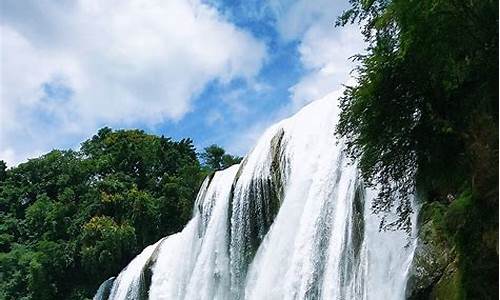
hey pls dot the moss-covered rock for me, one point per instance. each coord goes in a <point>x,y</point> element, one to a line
<point>457,252</point>
<point>449,286</point>
<point>433,254</point>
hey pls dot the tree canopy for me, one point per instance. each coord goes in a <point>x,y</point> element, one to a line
<point>425,107</point>
<point>215,158</point>
<point>71,219</point>
<point>423,118</point>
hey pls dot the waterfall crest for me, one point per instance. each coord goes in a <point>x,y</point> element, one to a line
<point>292,221</point>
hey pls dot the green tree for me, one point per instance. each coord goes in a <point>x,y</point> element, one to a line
<point>71,219</point>
<point>3,170</point>
<point>424,115</point>
<point>426,103</point>
<point>106,246</point>
<point>215,158</point>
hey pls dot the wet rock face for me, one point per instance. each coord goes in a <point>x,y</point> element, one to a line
<point>429,262</point>
<point>146,274</point>
<point>137,288</point>
<point>252,209</point>
<point>434,262</point>
<point>104,289</point>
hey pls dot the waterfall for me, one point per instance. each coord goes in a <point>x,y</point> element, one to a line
<point>292,221</point>
<point>104,289</point>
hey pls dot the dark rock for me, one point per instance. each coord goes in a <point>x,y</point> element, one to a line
<point>432,257</point>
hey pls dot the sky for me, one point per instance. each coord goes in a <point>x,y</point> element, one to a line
<point>216,71</point>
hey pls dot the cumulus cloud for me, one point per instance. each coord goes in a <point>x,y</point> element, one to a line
<point>324,50</point>
<point>327,59</point>
<point>69,67</point>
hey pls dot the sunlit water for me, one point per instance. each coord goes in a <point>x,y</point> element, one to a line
<point>292,221</point>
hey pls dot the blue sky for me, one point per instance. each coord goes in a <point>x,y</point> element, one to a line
<point>215,71</point>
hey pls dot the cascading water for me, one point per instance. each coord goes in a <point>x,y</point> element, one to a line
<point>292,221</point>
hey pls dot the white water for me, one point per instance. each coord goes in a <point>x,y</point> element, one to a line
<point>322,242</point>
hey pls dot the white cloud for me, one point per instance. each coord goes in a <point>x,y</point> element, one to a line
<point>124,61</point>
<point>324,49</point>
<point>296,17</point>
<point>326,56</point>
<point>213,116</point>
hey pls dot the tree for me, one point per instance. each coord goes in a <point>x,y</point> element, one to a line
<point>215,158</point>
<point>423,117</point>
<point>71,219</point>
<point>425,109</point>
<point>3,170</point>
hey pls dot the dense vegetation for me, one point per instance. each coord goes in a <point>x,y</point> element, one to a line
<point>71,219</point>
<point>215,158</point>
<point>424,114</point>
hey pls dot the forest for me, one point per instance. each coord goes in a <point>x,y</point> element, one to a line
<point>72,219</point>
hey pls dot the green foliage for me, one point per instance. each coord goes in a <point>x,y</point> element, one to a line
<point>106,246</point>
<point>435,212</point>
<point>214,158</point>
<point>426,104</point>
<point>457,212</point>
<point>475,232</point>
<point>3,170</point>
<point>424,113</point>
<point>71,219</point>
